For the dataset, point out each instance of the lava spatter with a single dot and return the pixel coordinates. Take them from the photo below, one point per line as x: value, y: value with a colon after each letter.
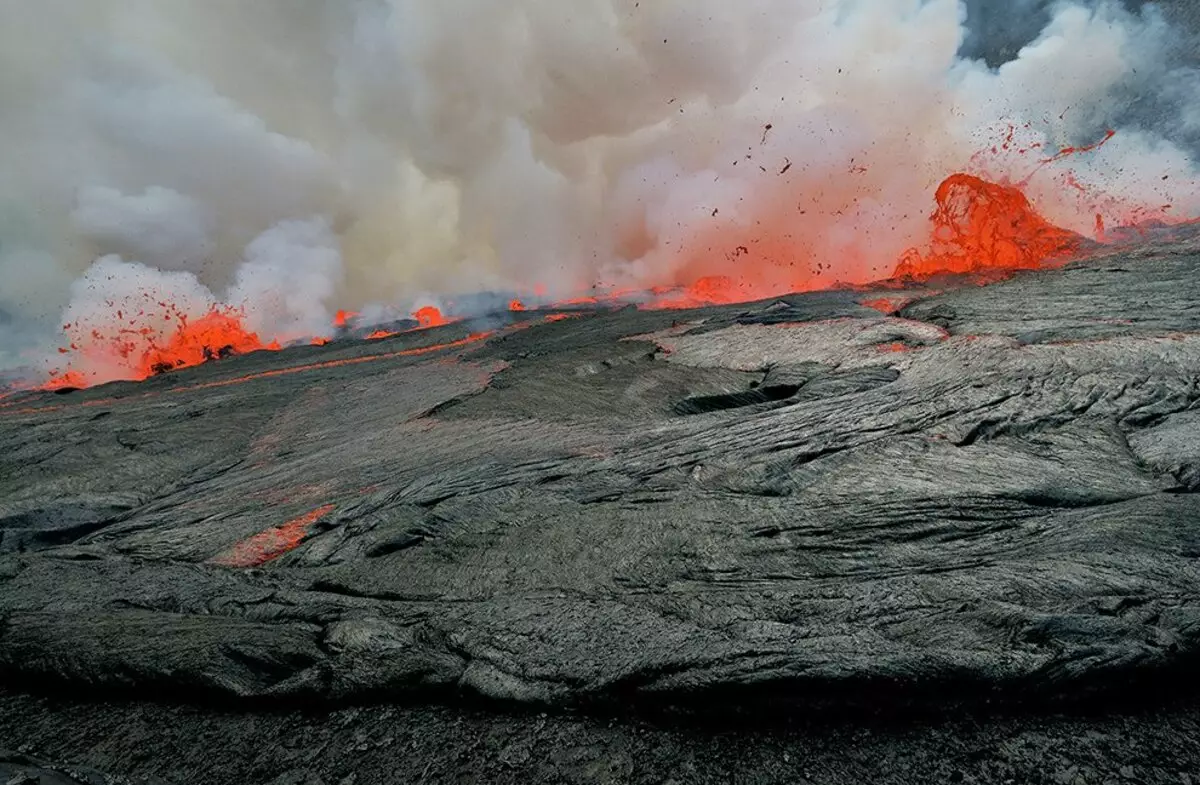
x: 137, y: 347
x: 429, y: 316
x: 980, y: 226
x: 212, y: 337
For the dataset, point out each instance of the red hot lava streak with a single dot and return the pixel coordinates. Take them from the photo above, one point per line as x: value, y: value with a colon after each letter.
x: 274, y: 542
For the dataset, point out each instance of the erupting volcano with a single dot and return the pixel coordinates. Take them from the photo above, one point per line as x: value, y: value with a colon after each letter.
x: 142, y: 346
x: 976, y: 227
x: 590, y: 391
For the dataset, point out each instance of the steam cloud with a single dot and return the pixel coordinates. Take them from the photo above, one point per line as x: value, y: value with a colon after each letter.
x: 295, y: 156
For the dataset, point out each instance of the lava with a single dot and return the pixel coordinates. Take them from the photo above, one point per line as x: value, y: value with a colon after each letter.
x: 11, y: 407
x: 979, y: 225
x: 886, y: 305
x: 429, y: 317
x: 274, y: 542
x: 142, y: 349
x: 1087, y: 148
x: 213, y: 336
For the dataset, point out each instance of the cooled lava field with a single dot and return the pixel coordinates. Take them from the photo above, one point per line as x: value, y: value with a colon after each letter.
x: 949, y: 534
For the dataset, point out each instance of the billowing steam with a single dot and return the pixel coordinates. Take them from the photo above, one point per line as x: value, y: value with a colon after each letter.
x: 291, y: 157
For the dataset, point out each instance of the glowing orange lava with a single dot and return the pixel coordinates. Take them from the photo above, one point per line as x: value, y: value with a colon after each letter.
x: 210, y: 337
x: 980, y: 226
x: 11, y: 407
x: 430, y: 317
x: 133, y: 343
x: 886, y: 305
x: 272, y: 543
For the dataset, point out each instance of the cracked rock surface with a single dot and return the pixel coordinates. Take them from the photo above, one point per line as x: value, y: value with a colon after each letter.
x: 791, y: 506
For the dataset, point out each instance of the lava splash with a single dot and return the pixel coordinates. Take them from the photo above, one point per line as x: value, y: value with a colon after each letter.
x: 214, y: 336
x: 977, y: 227
x: 140, y: 348
x: 981, y: 226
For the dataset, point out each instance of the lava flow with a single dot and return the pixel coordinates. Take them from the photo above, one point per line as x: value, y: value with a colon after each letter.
x: 138, y: 347
x: 272, y: 543
x: 978, y: 227
x: 214, y: 336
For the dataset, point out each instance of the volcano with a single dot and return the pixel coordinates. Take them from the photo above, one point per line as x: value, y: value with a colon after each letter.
x: 797, y: 539
x: 978, y: 227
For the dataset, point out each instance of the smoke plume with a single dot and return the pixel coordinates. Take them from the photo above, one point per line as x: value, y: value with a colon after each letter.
x: 292, y: 157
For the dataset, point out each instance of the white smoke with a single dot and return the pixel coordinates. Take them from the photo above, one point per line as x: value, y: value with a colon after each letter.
x: 287, y: 280
x: 296, y: 156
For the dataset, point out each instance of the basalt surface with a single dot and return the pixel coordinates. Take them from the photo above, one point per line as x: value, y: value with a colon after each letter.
x: 967, y: 498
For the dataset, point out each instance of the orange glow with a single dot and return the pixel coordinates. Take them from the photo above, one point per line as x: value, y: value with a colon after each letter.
x: 886, y: 305
x: 67, y: 380
x: 10, y: 407
x: 272, y: 543
x: 141, y: 348
x: 980, y: 226
x: 429, y: 317
x: 210, y: 337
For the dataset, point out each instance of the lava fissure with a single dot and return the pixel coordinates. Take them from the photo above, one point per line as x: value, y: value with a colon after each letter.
x: 978, y: 227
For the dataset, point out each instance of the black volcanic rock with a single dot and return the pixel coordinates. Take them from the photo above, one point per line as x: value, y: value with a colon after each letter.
x: 793, y: 507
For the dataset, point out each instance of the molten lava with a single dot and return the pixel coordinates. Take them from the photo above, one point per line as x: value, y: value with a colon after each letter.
x: 429, y: 317
x: 213, y: 336
x: 886, y: 305
x: 980, y: 226
x: 272, y: 543
x: 142, y: 349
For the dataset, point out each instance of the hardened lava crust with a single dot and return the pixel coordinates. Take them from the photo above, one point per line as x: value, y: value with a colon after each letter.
x: 628, y: 545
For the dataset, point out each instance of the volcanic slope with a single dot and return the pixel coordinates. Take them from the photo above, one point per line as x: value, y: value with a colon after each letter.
x: 791, y: 506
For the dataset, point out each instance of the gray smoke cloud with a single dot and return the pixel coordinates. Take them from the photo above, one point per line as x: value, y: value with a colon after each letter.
x: 291, y: 157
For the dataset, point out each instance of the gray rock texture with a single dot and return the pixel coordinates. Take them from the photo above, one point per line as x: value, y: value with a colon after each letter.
x: 788, y: 508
